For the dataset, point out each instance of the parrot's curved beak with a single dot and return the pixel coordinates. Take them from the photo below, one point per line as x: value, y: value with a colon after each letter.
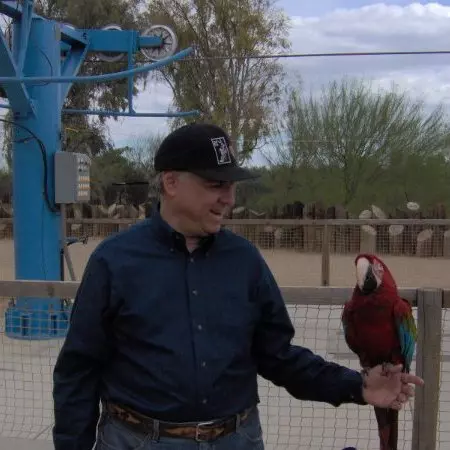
x: 365, y: 276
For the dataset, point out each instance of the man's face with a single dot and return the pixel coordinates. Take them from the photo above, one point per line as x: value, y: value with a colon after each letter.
x: 200, y: 204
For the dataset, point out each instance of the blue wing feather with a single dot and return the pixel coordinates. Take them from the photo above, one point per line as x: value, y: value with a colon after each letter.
x: 407, y: 333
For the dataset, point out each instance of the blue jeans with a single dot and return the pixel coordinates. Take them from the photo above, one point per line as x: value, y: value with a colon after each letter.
x: 115, y: 435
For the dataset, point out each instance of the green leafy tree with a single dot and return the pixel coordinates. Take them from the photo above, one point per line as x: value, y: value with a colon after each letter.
x: 108, y: 167
x: 356, y: 139
x: 221, y: 81
x: 90, y: 133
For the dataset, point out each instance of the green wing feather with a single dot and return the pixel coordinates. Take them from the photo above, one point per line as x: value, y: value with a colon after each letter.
x: 407, y: 333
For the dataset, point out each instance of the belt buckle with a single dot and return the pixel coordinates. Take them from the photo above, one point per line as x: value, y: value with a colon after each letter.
x: 197, y: 430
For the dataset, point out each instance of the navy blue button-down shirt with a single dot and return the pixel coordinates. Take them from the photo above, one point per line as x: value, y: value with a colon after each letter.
x: 180, y: 336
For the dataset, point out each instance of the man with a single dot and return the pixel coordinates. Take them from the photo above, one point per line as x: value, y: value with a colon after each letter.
x: 175, y: 317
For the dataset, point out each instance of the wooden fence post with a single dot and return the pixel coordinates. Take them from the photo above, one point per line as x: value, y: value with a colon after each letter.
x: 326, y: 255
x: 428, y: 366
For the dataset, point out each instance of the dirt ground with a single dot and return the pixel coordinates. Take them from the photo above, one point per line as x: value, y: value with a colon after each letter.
x: 286, y: 423
x: 291, y: 268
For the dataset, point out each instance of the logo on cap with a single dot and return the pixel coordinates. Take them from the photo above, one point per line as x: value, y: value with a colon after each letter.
x: 222, y: 151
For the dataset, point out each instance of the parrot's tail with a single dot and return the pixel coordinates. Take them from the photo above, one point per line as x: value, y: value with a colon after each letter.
x: 387, y: 420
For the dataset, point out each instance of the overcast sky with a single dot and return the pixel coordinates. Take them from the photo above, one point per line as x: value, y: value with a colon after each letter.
x: 344, y: 26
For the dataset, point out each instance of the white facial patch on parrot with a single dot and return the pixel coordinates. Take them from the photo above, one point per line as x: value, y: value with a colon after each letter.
x: 362, y: 266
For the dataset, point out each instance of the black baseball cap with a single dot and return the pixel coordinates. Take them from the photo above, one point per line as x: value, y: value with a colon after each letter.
x: 202, y: 149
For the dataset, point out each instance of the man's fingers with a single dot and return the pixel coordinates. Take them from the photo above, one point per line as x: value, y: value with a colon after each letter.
x: 408, y: 390
x: 396, y: 405
x: 412, y: 379
x: 402, y: 398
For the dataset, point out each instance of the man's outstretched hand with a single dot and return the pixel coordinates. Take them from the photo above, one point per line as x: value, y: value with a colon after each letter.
x: 386, y: 386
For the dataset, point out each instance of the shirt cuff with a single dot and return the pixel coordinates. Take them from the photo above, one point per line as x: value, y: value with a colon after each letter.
x: 355, y: 383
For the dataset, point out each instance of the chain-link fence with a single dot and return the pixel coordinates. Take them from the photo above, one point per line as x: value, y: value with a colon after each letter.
x: 26, y: 368
x: 26, y: 379
x: 300, y: 253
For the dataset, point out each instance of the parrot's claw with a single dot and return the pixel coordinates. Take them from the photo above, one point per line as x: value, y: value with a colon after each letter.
x: 385, y: 368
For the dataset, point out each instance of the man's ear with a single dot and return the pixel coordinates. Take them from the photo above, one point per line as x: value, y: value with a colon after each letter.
x: 170, y: 181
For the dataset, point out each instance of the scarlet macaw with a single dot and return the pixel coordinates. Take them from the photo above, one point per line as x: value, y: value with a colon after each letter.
x: 380, y: 329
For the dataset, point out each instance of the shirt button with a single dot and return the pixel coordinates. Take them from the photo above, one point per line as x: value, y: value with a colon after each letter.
x: 195, y: 292
x: 205, y: 401
x: 199, y: 327
x: 191, y: 260
x: 203, y: 364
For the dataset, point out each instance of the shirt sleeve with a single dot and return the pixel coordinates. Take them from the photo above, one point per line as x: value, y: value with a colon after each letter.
x: 305, y: 375
x: 76, y: 376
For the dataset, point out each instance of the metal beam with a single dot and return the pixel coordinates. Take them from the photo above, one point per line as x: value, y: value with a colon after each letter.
x: 71, y: 66
x: 100, y: 78
x: 149, y: 41
x: 25, y: 25
x: 12, y: 9
x: 73, y: 37
x: 36, y: 221
x: 118, y: 41
x: 16, y: 92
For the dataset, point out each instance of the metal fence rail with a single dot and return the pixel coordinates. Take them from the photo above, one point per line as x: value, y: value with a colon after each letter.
x: 26, y: 367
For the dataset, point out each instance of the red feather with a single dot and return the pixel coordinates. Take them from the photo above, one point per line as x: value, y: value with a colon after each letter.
x: 369, y: 320
x: 371, y: 332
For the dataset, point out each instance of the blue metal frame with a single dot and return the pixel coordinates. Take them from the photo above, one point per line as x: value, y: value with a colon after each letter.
x: 37, y: 76
x: 99, y: 112
x: 17, y: 92
x: 98, y: 78
x: 72, y: 64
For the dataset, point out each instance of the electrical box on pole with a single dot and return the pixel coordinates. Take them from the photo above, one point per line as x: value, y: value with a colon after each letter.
x: 45, y: 178
x: 72, y: 179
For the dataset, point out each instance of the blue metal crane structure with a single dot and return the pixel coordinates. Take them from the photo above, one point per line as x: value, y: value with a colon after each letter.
x: 37, y: 71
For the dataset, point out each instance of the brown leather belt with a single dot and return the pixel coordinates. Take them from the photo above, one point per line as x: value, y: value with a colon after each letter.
x: 199, y: 431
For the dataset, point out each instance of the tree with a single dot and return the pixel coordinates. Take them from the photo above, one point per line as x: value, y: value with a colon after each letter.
x: 5, y: 186
x: 229, y: 88
x: 354, y: 135
x: 141, y: 154
x: 90, y: 133
x: 108, y: 167
x: 131, y: 166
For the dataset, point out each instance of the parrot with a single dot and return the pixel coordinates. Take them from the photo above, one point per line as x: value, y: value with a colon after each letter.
x: 380, y: 329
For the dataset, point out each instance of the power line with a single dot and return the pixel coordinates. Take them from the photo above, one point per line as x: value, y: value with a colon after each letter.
x: 310, y: 55
x: 332, y: 54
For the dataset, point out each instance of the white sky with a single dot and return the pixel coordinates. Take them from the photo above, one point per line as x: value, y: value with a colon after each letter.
x: 326, y: 26
x: 332, y: 28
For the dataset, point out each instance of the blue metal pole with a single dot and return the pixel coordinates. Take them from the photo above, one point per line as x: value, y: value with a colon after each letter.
x: 36, y: 222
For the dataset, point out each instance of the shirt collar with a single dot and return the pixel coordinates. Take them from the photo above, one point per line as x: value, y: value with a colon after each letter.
x: 171, y: 237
